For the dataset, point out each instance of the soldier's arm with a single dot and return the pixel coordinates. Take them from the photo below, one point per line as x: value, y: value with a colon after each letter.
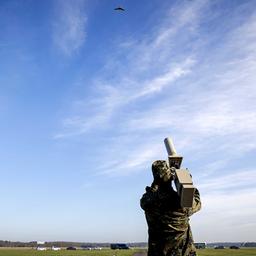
x: 149, y: 200
x: 197, y: 202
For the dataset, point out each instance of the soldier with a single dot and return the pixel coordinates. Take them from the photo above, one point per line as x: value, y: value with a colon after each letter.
x: 168, y: 223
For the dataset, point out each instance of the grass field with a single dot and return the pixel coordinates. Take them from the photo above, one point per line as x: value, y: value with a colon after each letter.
x: 202, y: 252
x: 226, y: 252
x: 32, y: 252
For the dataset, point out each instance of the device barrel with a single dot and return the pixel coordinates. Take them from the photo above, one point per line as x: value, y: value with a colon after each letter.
x: 170, y: 146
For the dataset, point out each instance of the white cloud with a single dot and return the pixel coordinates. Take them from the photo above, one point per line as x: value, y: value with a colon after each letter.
x: 101, y: 110
x: 178, y: 81
x: 69, y: 28
x: 229, y: 217
x: 205, y: 102
x: 130, y: 85
x: 130, y: 163
x: 185, y: 17
x: 229, y: 182
x: 160, y: 82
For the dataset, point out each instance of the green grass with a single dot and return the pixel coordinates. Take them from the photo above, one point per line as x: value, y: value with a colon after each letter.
x: 33, y: 252
x: 202, y: 252
x: 227, y: 252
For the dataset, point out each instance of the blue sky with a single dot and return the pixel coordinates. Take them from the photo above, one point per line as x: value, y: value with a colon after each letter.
x: 88, y: 96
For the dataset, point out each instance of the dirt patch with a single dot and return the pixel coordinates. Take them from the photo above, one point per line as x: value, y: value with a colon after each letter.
x: 140, y: 254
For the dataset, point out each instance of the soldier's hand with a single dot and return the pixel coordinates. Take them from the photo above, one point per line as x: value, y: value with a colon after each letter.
x: 173, y: 170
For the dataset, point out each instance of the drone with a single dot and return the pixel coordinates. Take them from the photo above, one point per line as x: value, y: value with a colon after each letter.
x: 119, y: 8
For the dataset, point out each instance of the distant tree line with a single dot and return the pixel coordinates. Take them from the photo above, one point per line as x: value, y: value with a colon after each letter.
x: 249, y: 244
x: 16, y: 244
x: 33, y: 244
x: 228, y: 244
x: 62, y: 244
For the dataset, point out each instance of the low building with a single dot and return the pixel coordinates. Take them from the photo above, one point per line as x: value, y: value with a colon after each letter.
x: 119, y: 246
x: 200, y: 245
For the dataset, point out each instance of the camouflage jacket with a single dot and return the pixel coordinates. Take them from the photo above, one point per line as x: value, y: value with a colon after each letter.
x: 168, y: 223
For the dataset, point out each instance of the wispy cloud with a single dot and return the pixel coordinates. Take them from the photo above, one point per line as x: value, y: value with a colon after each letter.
x: 191, y: 78
x: 233, y: 211
x: 242, y: 179
x: 180, y: 86
x: 69, y: 28
x: 160, y: 82
x: 155, y: 70
x: 133, y: 162
x: 228, y: 199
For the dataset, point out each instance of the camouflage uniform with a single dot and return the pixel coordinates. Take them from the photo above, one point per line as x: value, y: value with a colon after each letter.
x: 168, y: 223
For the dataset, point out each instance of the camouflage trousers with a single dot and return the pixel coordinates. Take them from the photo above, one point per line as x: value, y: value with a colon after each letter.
x: 160, y: 248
